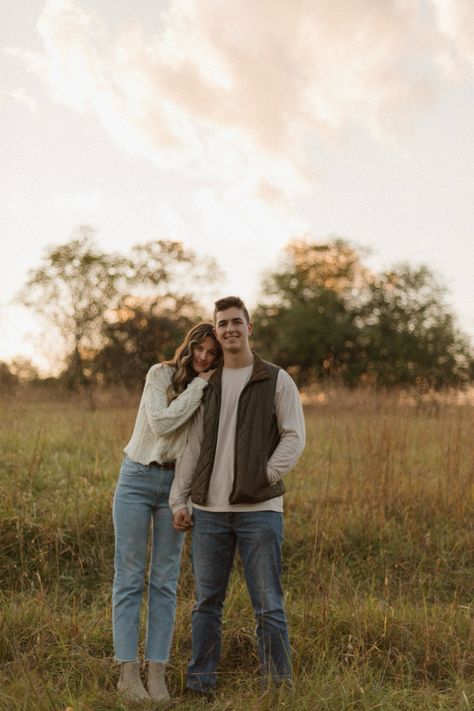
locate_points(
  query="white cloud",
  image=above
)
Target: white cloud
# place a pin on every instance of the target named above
(456, 20)
(79, 201)
(20, 96)
(230, 91)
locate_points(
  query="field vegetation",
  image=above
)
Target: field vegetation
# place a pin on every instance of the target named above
(378, 560)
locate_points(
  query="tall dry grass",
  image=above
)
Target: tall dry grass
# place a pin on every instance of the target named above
(379, 554)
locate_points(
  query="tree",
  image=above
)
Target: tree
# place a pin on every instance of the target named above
(72, 290)
(408, 334)
(310, 269)
(24, 370)
(139, 335)
(8, 379)
(83, 293)
(166, 271)
(307, 321)
(325, 314)
(159, 308)
(312, 340)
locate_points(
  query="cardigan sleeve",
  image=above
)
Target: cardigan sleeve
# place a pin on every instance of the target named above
(165, 418)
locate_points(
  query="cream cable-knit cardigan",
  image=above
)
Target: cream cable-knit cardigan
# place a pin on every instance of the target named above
(160, 429)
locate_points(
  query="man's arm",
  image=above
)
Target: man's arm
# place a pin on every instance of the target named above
(185, 467)
(290, 418)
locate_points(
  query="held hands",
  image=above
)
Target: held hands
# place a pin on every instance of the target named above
(182, 521)
(207, 374)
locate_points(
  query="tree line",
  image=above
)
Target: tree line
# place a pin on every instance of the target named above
(323, 314)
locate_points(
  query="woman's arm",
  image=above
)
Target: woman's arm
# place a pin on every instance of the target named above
(165, 418)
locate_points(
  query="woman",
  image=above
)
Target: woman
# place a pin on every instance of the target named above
(172, 394)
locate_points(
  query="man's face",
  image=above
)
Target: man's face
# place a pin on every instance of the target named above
(232, 330)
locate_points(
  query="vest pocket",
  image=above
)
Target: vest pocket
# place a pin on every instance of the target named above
(253, 485)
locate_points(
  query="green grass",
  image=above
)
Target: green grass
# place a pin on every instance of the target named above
(378, 561)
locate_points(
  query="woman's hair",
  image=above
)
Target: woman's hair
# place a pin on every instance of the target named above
(183, 358)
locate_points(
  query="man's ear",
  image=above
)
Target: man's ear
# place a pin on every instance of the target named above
(250, 327)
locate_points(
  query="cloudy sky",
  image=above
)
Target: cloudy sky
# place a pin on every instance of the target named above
(233, 127)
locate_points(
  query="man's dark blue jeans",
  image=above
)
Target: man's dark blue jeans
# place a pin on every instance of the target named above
(258, 536)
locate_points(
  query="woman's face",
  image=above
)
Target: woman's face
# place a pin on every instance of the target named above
(204, 355)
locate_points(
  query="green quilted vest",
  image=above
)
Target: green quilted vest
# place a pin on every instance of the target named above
(256, 437)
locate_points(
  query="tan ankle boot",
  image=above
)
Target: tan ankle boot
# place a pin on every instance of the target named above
(156, 681)
(130, 685)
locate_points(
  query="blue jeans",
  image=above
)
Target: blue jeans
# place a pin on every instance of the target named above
(141, 500)
(258, 536)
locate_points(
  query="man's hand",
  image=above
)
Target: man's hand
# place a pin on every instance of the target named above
(182, 521)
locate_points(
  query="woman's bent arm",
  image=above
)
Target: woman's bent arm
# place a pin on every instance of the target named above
(165, 418)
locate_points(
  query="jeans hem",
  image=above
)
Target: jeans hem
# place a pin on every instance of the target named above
(203, 688)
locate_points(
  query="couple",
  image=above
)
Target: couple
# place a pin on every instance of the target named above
(246, 433)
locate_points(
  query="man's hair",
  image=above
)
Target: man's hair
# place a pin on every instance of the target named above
(227, 302)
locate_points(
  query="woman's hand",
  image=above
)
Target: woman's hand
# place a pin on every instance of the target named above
(182, 521)
(207, 374)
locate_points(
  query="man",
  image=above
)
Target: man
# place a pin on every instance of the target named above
(248, 433)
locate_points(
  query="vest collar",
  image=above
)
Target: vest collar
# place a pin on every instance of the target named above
(259, 371)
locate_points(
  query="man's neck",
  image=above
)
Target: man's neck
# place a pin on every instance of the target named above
(238, 360)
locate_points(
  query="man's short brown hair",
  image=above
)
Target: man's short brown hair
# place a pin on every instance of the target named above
(227, 302)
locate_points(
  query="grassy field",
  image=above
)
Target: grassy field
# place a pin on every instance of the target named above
(379, 561)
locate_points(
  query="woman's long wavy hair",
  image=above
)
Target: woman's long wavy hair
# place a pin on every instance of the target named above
(182, 360)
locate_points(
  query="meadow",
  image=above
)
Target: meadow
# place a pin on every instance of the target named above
(378, 560)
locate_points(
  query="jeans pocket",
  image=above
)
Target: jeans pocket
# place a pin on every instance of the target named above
(131, 468)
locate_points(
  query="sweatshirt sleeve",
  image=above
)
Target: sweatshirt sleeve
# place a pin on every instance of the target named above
(290, 418)
(186, 464)
(165, 418)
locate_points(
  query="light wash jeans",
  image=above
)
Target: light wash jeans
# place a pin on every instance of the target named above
(141, 500)
(258, 536)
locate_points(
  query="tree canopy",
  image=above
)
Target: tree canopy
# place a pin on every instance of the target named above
(140, 334)
(87, 296)
(408, 334)
(324, 314)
